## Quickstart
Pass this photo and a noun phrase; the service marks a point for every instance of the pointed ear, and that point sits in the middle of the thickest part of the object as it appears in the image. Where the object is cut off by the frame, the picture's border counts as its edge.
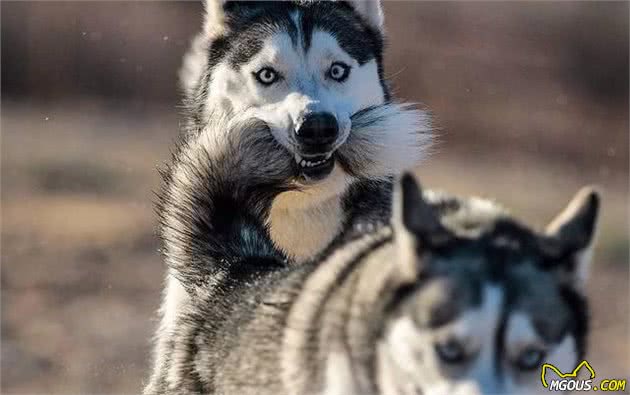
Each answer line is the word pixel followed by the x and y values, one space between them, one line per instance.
pixel 371 11
pixel 407 195
pixel 415 215
pixel 572 233
pixel 214 18
pixel 414 223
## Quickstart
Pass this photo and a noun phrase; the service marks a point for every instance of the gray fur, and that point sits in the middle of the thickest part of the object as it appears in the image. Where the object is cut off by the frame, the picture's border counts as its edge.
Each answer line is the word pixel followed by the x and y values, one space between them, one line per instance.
pixel 233 194
pixel 328 326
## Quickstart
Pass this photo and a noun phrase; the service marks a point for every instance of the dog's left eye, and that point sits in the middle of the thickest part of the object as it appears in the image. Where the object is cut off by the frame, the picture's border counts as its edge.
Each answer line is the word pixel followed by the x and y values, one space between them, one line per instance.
pixel 451 352
pixel 529 359
pixel 267 76
pixel 339 71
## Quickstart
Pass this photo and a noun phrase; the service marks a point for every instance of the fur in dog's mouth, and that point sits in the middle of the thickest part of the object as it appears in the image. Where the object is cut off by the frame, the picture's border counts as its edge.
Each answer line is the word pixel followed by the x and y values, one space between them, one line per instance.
pixel 315 167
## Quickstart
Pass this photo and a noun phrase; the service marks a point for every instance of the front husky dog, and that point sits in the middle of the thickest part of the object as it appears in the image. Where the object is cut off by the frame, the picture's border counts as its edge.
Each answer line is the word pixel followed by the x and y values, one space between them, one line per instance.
pixel 454 298
pixel 304 68
pixel 308 75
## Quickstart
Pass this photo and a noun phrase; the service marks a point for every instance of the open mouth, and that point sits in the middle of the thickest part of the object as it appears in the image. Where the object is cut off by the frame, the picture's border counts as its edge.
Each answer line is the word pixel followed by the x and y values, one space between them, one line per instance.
pixel 316 167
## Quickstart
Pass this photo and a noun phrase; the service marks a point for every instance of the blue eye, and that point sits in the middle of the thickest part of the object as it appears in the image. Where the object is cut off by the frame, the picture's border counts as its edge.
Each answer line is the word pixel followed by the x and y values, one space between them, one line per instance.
pixel 267 76
pixel 451 352
pixel 339 71
pixel 530 359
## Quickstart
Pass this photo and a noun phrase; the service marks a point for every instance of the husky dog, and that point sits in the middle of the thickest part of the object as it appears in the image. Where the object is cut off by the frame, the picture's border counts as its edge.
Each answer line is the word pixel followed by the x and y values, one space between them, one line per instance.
pixel 454 297
pixel 304 68
pixel 308 77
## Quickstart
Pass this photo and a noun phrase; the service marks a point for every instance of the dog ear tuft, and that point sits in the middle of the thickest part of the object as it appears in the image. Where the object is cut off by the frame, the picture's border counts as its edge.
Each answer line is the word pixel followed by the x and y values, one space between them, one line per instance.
pixel 214 17
pixel 371 11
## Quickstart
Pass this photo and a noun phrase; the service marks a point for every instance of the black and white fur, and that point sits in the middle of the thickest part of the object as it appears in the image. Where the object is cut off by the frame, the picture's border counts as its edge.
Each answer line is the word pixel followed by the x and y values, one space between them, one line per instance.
pixel 455 297
pixel 221 190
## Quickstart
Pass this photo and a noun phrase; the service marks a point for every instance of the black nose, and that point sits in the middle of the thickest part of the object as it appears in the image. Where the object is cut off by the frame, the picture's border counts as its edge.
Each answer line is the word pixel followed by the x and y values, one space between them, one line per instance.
pixel 318 130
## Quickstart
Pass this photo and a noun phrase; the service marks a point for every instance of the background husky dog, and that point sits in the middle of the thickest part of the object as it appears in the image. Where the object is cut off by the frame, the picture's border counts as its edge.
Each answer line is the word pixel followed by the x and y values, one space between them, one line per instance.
pixel 455 297
pixel 311 75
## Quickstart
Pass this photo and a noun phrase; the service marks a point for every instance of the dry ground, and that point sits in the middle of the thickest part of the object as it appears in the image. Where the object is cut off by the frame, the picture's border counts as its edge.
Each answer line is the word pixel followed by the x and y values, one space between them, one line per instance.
pixel 81 272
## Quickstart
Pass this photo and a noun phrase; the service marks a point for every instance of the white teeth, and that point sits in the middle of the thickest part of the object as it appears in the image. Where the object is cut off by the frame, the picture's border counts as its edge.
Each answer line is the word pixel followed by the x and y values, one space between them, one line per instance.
pixel 311 164
pixel 304 163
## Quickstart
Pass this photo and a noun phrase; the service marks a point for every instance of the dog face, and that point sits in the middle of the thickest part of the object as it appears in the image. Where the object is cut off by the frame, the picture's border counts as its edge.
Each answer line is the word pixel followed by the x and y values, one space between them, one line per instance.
pixel 496 300
pixel 478 345
pixel 304 68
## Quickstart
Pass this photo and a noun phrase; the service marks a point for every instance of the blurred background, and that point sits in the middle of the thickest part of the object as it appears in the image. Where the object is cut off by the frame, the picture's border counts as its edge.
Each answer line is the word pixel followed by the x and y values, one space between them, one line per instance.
pixel 530 100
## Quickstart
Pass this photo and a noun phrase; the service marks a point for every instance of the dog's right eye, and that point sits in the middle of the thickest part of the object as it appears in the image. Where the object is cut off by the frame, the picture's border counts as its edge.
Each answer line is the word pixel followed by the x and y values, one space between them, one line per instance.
pixel 530 359
pixel 266 76
pixel 451 352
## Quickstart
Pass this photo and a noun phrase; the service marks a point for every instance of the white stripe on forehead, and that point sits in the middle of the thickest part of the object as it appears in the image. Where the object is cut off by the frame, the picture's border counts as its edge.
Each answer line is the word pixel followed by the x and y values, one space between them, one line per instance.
pixel 296 17
pixel 481 327
pixel 483 321
pixel 520 331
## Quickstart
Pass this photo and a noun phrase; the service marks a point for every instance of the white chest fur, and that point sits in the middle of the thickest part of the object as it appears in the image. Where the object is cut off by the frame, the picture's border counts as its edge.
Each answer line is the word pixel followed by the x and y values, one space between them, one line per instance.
pixel 304 231
pixel 303 222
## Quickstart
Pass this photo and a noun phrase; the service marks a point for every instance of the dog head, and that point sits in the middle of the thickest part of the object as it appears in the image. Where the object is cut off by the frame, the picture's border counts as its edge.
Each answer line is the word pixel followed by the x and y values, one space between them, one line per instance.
pixel 488 301
pixel 305 68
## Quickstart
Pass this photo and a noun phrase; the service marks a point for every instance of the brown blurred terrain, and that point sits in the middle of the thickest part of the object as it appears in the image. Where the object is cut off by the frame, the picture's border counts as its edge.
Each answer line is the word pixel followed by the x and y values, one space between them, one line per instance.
pixel 530 99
